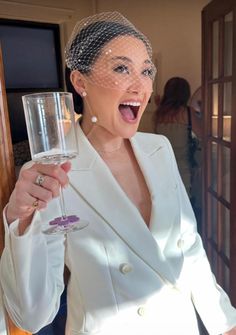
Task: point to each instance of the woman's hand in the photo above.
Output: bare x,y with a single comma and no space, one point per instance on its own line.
28,196
231,332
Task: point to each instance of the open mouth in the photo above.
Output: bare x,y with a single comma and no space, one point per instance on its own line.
129,110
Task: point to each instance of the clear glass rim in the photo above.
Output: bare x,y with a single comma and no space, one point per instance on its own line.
44,94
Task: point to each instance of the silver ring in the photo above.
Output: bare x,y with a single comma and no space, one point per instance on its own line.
39,180
35,203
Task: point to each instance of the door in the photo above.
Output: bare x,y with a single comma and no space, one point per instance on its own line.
219,101
7,177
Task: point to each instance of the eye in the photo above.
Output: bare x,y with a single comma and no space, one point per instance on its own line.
121,69
148,72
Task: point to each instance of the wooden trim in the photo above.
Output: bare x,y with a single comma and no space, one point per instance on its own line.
7,179
36,12
204,141
216,10
233,171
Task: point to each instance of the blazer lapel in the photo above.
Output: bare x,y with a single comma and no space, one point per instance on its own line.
162,188
94,182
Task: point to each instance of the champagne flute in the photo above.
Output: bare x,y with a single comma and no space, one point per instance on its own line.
50,122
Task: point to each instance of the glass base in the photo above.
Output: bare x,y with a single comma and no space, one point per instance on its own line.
65,225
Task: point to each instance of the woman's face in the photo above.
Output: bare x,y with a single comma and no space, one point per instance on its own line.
119,86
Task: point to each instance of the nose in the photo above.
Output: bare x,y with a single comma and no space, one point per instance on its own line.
139,84
136,84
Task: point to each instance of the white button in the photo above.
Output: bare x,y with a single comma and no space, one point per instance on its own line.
180,243
141,311
125,268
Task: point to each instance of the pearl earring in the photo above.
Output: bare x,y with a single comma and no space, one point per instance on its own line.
94,119
84,94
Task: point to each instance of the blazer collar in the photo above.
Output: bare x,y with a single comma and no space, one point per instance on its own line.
93,181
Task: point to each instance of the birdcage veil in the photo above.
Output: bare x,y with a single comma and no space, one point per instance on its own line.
95,49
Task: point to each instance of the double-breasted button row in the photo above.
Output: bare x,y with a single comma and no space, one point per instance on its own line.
141,311
125,268
180,243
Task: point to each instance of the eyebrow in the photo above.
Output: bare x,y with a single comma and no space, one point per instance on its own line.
127,59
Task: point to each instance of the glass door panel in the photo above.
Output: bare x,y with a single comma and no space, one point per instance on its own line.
214,261
215,109
227,108
228,44
225,168
226,278
213,218
225,229
215,50
219,140
213,170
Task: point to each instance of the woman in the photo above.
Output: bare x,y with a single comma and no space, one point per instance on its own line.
172,120
139,264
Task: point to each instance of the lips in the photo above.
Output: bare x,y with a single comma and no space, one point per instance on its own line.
129,110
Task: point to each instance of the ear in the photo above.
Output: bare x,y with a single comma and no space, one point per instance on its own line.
78,81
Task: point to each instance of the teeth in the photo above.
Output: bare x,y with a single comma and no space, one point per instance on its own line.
131,103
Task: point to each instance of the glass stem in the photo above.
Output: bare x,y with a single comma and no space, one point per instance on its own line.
62,204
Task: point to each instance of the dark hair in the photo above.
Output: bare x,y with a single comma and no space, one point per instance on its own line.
176,94
101,33
77,100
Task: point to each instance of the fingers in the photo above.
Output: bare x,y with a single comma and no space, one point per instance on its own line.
66,166
22,205
43,181
50,184
35,187
54,171
37,192
47,189
25,202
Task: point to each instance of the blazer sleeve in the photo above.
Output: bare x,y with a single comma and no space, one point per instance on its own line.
31,274
210,300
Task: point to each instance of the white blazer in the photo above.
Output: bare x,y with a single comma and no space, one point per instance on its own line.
125,278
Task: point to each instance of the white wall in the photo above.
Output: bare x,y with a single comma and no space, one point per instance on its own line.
173,27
